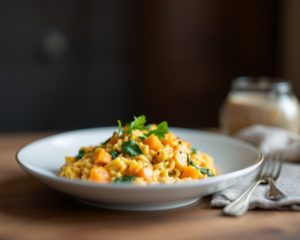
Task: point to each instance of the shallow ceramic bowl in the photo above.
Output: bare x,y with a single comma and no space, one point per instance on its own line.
234,159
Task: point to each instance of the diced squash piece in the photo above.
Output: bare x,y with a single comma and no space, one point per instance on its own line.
189,171
113,139
146,173
170,139
160,156
101,157
180,159
99,174
153,142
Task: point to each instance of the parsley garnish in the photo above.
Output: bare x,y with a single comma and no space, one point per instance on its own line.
202,170
125,179
148,126
114,154
80,154
194,151
160,131
131,148
170,174
137,123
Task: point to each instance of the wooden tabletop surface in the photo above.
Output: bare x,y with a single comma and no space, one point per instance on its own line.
31,210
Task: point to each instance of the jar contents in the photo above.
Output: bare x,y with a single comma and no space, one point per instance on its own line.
252,103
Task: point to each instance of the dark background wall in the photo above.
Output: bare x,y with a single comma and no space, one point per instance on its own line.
75,64
195,48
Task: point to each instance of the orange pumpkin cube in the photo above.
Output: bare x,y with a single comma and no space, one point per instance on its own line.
189,171
99,174
170,139
146,173
101,157
153,142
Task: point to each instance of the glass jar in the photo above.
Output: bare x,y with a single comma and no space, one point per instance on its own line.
261,100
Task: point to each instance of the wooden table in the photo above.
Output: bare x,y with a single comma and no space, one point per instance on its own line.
31,210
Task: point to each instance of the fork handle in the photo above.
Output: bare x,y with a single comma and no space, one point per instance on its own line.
239,206
274,193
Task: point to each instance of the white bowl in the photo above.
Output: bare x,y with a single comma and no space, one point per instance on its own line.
43,159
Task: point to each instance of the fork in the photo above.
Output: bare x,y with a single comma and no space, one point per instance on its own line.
268,173
274,193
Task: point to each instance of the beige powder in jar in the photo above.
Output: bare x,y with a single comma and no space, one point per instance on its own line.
245,109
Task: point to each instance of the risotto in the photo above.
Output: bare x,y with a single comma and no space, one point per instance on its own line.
140,154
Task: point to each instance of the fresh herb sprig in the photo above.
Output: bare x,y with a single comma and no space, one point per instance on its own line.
202,170
139,122
120,127
161,130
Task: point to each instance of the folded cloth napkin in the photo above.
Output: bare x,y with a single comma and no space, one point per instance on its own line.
269,140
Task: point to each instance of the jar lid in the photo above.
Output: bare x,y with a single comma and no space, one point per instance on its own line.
261,84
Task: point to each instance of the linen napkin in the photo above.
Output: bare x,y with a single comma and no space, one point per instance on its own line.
269,140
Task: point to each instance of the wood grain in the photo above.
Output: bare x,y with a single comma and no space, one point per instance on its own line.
30,210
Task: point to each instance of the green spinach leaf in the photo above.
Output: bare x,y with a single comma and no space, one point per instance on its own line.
124,179
114,154
131,148
80,154
194,151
